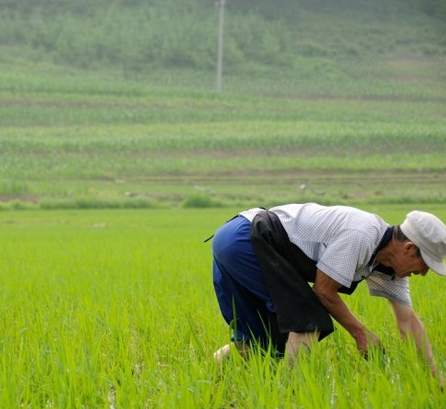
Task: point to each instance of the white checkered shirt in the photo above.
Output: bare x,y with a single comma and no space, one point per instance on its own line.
342,241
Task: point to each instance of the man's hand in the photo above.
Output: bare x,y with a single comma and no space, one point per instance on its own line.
325,289
410,326
365,340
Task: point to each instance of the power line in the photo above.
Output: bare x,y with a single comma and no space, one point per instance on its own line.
221,7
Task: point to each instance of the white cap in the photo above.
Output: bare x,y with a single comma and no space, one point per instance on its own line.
428,233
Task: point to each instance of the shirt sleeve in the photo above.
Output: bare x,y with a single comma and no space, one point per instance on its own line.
395,289
342,257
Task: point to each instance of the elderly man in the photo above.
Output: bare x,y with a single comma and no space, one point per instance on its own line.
264,260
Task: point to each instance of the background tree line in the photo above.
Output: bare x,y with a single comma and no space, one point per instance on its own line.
141,35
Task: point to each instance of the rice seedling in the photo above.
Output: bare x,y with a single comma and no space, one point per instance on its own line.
115,308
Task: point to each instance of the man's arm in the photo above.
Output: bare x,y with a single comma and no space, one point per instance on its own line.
410,324
326,289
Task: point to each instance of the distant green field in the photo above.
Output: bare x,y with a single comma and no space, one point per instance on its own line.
115,308
73,139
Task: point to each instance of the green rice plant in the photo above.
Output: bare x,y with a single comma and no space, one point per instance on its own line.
115,308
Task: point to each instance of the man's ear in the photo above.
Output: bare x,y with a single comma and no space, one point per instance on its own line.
410,247
407,245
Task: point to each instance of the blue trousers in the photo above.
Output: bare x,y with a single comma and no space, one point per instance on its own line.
240,287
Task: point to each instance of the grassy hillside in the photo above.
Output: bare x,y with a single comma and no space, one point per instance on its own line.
296,36
77,139
348,109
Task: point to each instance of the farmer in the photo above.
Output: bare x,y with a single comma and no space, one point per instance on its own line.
264,260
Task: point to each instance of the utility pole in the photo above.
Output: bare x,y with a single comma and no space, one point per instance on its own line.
221,8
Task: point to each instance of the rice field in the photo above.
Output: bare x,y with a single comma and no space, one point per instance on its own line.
109,185
115,309
109,144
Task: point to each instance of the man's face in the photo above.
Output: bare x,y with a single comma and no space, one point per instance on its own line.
409,261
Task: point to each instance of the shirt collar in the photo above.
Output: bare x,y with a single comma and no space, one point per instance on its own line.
385,239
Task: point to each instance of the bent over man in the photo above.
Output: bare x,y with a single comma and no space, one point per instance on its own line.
265,260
